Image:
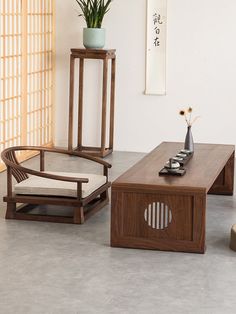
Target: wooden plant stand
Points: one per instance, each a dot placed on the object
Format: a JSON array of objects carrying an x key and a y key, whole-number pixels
[{"x": 99, "y": 54}]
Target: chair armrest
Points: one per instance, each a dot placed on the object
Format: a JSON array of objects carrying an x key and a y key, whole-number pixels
[
  {"x": 48, "y": 175},
  {"x": 62, "y": 151},
  {"x": 18, "y": 171}
]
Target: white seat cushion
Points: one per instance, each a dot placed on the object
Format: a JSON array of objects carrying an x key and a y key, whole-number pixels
[{"x": 42, "y": 186}]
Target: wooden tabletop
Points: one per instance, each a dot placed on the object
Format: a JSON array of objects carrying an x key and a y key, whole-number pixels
[
  {"x": 93, "y": 53},
  {"x": 202, "y": 170}
]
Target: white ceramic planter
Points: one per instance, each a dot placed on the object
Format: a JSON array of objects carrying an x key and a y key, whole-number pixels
[{"x": 94, "y": 38}]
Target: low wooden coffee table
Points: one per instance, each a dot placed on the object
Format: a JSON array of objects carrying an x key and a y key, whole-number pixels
[{"x": 149, "y": 211}]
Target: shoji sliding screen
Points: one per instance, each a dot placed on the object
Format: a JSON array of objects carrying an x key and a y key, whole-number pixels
[{"x": 26, "y": 90}]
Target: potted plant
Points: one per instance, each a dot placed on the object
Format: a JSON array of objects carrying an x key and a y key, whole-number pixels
[{"x": 93, "y": 11}]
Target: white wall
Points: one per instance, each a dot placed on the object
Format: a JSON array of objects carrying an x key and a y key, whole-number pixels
[{"x": 201, "y": 70}]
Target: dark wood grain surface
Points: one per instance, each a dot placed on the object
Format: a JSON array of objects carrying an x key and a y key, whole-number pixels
[
  {"x": 93, "y": 53},
  {"x": 139, "y": 196},
  {"x": 202, "y": 170}
]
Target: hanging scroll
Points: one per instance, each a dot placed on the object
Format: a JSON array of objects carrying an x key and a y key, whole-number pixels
[{"x": 156, "y": 47}]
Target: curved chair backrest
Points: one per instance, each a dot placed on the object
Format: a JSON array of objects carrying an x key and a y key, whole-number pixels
[{"x": 9, "y": 155}]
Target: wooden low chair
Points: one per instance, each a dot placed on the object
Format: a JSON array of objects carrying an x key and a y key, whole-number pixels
[{"x": 86, "y": 193}]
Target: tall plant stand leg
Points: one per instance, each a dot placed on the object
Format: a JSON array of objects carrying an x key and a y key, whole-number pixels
[{"x": 106, "y": 128}]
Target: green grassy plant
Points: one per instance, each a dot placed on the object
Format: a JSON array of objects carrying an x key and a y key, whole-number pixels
[{"x": 93, "y": 11}]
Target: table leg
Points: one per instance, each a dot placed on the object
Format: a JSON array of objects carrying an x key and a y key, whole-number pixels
[
  {"x": 112, "y": 103},
  {"x": 104, "y": 106},
  {"x": 169, "y": 222},
  {"x": 224, "y": 184},
  {"x": 80, "y": 110},
  {"x": 71, "y": 104}
]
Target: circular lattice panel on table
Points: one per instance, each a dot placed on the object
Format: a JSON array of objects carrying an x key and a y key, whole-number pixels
[{"x": 158, "y": 215}]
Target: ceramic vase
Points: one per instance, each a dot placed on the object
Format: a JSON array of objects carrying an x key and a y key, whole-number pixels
[{"x": 189, "y": 145}]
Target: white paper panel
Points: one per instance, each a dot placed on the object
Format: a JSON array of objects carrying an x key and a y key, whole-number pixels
[{"x": 156, "y": 47}]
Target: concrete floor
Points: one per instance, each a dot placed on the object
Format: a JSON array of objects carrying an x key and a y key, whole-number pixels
[{"x": 51, "y": 268}]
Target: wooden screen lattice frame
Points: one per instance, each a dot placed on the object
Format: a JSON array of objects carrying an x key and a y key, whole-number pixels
[{"x": 27, "y": 74}]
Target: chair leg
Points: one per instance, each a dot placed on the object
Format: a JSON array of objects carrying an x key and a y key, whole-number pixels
[
  {"x": 11, "y": 211},
  {"x": 79, "y": 215},
  {"x": 104, "y": 195},
  {"x": 94, "y": 207}
]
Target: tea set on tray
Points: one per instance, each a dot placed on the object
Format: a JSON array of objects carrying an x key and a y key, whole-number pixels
[{"x": 174, "y": 166}]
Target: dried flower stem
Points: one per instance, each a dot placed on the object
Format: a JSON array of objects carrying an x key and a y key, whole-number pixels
[
  {"x": 190, "y": 117},
  {"x": 194, "y": 120},
  {"x": 186, "y": 119}
]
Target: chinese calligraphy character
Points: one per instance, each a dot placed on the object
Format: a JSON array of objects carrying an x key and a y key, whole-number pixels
[
  {"x": 156, "y": 42},
  {"x": 157, "y": 30},
  {"x": 157, "y": 19}
]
